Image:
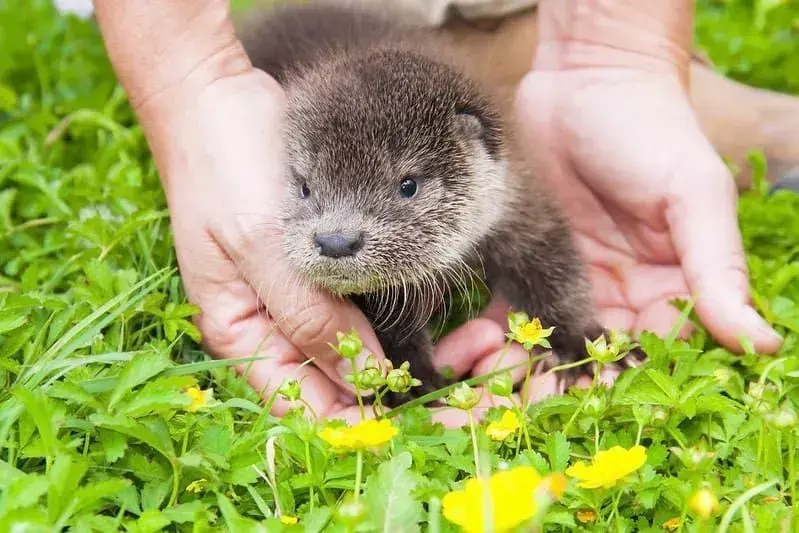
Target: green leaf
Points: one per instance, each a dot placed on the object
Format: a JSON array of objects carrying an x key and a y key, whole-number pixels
[
  {"x": 136, "y": 372},
  {"x": 664, "y": 382},
  {"x": 558, "y": 448},
  {"x": 388, "y": 496},
  {"x": 23, "y": 491}
]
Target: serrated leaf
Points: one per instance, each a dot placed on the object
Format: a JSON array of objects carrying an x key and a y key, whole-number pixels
[
  {"x": 24, "y": 491},
  {"x": 558, "y": 448},
  {"x": 663, "y": 382},
  {"x": 388, "y": 497},
  {"x": 137, "y": 371}
]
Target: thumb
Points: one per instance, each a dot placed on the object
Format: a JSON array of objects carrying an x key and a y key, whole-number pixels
[
  {"x": 309, "y": 318},
  {"x": 702, "y": 217}
]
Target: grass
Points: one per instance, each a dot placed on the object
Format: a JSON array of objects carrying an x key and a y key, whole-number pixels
[{"x": 97, "y": 352}]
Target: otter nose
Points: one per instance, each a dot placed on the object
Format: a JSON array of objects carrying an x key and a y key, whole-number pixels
[{"x": 338, "y": 244}]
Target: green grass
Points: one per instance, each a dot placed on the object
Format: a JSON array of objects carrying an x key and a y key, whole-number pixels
[{"x": 96, "y": 349}]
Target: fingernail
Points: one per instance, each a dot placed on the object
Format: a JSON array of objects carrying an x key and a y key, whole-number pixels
[{"x": 762, "y": 327}]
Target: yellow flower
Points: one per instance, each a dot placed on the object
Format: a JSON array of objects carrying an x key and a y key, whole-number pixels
[
  {"x": 556, "y": 485},
  {"x": 199, "y": 398},
  {"x": 586, "y": 516},
  {"x": 514, "y": 496},
  {"x": 528, "y": 332},
  {"x": 672, "y": 523},
  {"x": 505, "y": 427},
  {"x": 196, "y": 486},
  {"x": 289, "y": 520},
  {"x": 608, "y": 467},
  {"x": 367, "y": 434},
  {"x": 703, "y": 503}
]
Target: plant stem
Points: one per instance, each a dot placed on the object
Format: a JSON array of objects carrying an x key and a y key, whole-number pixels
[
  {"x": 792, "y": 471},
  {"x": 522, "y": 419},
  {"x": 760, "y": 440},
  {"x": 596, "y": 436},
  {"x": 310, "y": 472},
  {"x": 477, "y": 470},
  {"x": 357, "y": 389},
  {"x": 306, "y": 404},
  {"x": 615, "y": 512},
  {"x": 358, "y": 475}
]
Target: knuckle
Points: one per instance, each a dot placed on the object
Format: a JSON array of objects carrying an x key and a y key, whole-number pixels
[{"x": 312, "y": 326}]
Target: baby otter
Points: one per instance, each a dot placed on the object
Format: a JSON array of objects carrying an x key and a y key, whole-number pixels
[{"x": 406, "y": 180}]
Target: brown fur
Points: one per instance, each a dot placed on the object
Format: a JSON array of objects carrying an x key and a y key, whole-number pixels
[{"x": 371, "y": 103}]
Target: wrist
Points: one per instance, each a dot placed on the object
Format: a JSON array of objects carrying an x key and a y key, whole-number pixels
[
  {"x": 652, "y": 35},
  {"x": 164, "y": 52}
]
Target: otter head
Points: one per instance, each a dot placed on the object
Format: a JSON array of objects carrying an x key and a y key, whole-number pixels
[{"x": 396, "y": 168}]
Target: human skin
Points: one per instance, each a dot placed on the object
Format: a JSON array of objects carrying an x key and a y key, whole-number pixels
[{"x": 211, "y": 121}]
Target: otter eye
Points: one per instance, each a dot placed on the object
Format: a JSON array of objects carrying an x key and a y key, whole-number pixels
[
  {"x": 408, "y": 188},
  {"x": 304, "y": 190}
]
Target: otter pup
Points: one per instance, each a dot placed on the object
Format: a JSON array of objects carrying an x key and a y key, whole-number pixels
[{"x": 405, "y": 180}]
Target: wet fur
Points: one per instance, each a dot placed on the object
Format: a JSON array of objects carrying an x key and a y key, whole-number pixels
[{"x": 370, "y": 102}]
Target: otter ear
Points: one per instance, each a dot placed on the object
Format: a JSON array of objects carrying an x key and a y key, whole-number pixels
[{"x": 468, "y": 125}]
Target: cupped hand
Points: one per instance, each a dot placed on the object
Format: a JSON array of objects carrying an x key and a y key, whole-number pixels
[
  {"x": 220, "y": 159},
  {"x": 653, "y": 206}
]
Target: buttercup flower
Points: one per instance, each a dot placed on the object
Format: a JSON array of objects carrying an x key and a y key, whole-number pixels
[
  {"x": 672, "y": 523},
  {"x": 527, "y": 332},
  {"x": 511, "y": 496},
  {"x": 289, "y": 520},
  {"x": 703, "y": 503},
  {"x": 367, "y": 434},
  {"x": 199, "y": 398},
  {"x": 608, "y": 467},
  {"x": 515, "y": 496},
  {"x": 556, "y": 485},
  {"x": 586, "y": 516},
  {"x": 505, "y": 427}
]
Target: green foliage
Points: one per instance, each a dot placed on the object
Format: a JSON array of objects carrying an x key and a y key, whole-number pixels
[{"x": 97, "y": 351}]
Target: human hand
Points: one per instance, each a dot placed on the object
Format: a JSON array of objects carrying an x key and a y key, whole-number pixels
[
  {"x": 652, "y": 204},
  {"x": 224, "y": 185}
]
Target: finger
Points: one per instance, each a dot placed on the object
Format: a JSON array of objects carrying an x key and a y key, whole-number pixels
[
  {"x": 497, "y": 311},
  {"x": 659, "y": 318},
  {"x": 513, "y": 358},
  {"x": 251, "y": 334},
  {"x": 461, "y": 349},
  {"x": 706, "y": 236}
]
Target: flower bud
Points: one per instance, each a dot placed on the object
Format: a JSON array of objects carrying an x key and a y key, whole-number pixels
[
  {"x": 351, "y": 512},
  {"x": 400, "y": 380},
  {"x": 703, "y": 503},
  {"x": 783, "y": 419},
  {"x": 371, "y": 378},
  {"x": 595, "y": 406},
  {"x": 660, "y": 417},
  {"x": 600, "y": 351},
  {"x": 349, "y": 345},
  {"x": 463, "y": 397},
  {"x": 501, "y": 385},
  {"x": 290, "y": 390},
  {"x": 756, "y": 390},
  {"x": 722, "y": 375}
]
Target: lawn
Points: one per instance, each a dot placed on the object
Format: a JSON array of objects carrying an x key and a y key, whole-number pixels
[{"x": 112, "y": 418}]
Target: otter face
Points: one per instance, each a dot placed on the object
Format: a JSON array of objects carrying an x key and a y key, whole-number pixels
[{"x": 396, "y": 171}]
